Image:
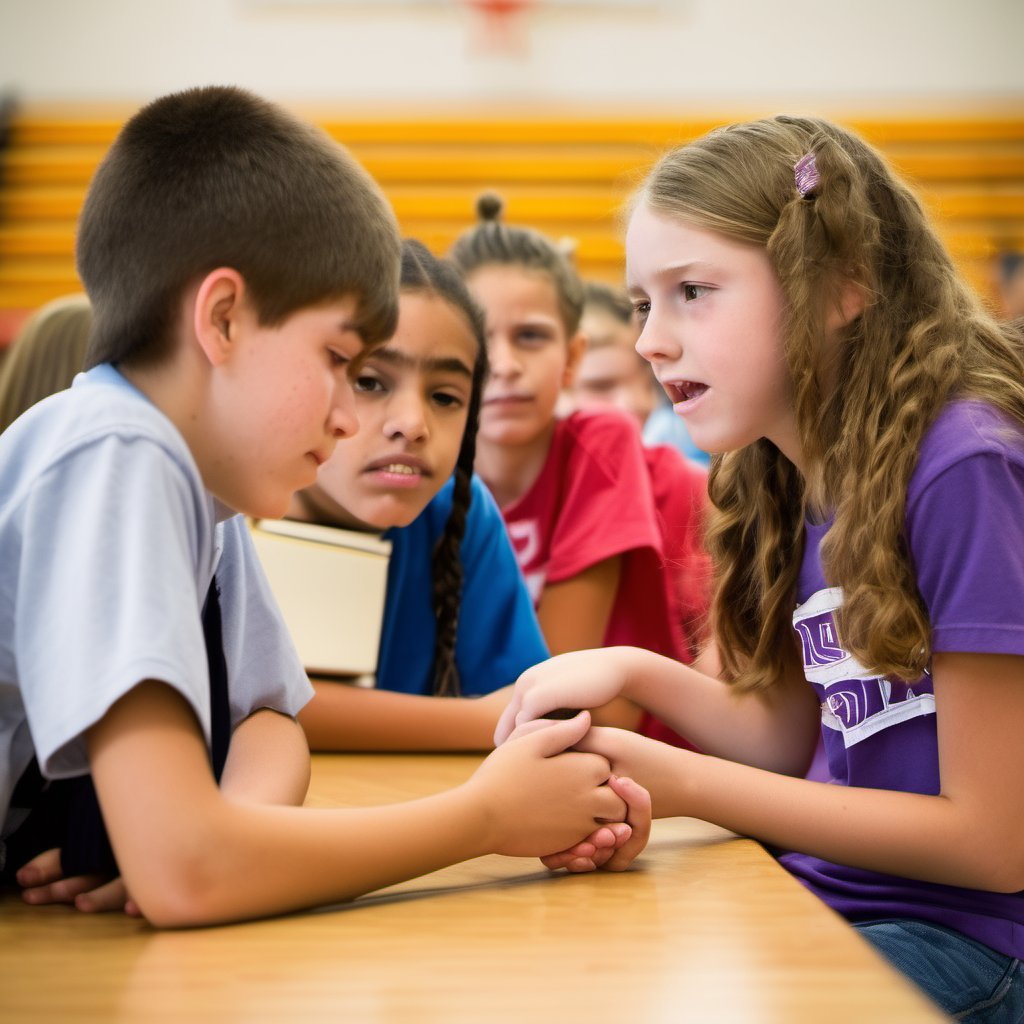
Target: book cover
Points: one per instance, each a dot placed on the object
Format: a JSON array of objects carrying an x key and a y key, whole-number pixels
[{"x": 330, "y": 584}]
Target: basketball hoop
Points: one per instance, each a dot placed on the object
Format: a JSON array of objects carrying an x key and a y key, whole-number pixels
[{"x": 500, "y": 24}]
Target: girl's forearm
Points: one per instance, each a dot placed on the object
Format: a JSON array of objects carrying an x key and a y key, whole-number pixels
[
  {"x": 775, "y": 731},
  {"x": 930, "y": 838},
  {"x": 343, "y": 717},
  {"x": 268, "y": 760}
]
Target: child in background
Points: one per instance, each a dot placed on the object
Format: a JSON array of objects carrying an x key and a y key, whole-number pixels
[
  {"x": 1010, "y": 283},
  {"x": 869, "y": 546},
  {"x": 45, "y": 355},
  {"x": 612, "y": 373},
  {"x": 576, "y": 493},
  {"x": 237, "y": 262},
  {"x": 458, "y": 620}
]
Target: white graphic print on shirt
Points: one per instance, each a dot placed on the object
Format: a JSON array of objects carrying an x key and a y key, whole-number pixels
[
  {"x": 854, "y": 702},
  {"x": 525, "y": 537}
]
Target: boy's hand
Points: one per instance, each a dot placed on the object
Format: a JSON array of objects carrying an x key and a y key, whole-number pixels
[
  {"x": 42, "y": 882},
  {"x": 579, "y": 679},
  {"x": 640, "y": 760},
  {"x": 612, "y": 847},
  {"x": 537, "y": 796}
]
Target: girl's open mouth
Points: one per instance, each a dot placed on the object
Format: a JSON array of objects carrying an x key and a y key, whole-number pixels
[
  {"x": 684, "y": 390},
  {"x": 398, "y": 470}
]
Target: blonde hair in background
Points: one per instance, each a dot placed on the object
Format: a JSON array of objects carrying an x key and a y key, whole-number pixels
[
  {"x": 603, "y": 298},
  {"x": 44, "y": 356},
  {"x": 862, "y": 408}
]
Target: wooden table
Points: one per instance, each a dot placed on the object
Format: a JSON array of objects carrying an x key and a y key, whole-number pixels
[{"x": 705, "y": 927}]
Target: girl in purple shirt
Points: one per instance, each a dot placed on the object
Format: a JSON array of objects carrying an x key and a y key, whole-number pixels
[{"x": 868, "y": 537}]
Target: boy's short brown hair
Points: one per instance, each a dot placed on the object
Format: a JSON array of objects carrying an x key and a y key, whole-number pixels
[{"x": 217, "y": 176}]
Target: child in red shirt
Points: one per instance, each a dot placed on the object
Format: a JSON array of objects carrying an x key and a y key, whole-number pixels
[{"x": 606, "y": 532}]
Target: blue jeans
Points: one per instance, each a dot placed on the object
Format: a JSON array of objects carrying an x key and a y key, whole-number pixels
[{"x": 969, "y": 980}]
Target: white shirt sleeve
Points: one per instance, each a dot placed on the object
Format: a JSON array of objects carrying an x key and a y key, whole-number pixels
[
  {"x": 264, "y": 669},
  {"x": 116, "y": 556}
]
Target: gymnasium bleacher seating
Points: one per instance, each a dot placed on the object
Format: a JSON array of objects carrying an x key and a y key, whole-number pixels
[{"x": 567, "y": 175}]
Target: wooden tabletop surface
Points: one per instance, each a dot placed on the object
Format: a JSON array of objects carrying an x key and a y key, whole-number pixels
[{"x": 704, "y": 927}]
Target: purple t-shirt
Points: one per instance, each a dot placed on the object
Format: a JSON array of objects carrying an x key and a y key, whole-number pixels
[{"x": 965, "y": 528}]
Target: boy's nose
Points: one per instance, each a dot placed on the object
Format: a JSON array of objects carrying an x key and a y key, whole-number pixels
[
  {"x": 342, "y": 421},
  {"x": 502, "y": 358}
]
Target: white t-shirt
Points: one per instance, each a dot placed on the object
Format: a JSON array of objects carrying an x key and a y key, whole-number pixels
[{"x": 108, "y": 543}]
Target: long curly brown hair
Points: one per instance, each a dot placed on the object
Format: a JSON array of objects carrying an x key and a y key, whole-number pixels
[{"x": 862, "y": 407}]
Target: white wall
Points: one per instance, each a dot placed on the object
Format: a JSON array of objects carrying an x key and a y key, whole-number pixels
[{"x": 696, "y": 54}]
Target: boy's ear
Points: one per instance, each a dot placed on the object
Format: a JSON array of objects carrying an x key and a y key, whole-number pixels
[
  {"x": 577, "y": 346},
  {"x": 217, "y": 309}
]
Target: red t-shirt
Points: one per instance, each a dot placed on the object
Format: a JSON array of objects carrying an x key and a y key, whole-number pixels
[
  {"x": 602, "y": 494},
  {"x": 680, "y": 500}
]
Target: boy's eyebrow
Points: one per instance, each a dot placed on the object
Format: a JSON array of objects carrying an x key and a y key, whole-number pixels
[
  {"x": 604, "y": 339},
  {"x": 435, "y": 364},
  {"x": 539, "y": 320}
]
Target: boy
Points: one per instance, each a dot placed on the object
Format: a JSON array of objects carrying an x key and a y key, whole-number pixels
[{"x": 237, "y": 261}]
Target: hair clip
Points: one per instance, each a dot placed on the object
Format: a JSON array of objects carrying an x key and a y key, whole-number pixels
[{"x": 806, "y": 174}]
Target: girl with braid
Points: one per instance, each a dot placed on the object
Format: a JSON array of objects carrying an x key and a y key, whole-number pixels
[
  {"x": 868, "y": 418},
  {"x": 458, "y": 621}
]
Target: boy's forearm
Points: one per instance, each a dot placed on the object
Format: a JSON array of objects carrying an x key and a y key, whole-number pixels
[
  {"x": 190, "y": 857},
  {"x": 273, "y": 860},
  {"x": 377, "y": 846},
  {"x": 343, "y": 717},
  {"x": 268, "y": 760}
]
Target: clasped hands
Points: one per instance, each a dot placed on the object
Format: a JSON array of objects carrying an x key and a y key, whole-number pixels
[{"x": 614, "y": 845}]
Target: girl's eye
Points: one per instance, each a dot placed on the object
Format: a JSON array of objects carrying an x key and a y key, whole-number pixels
[
  {"x": 641, "y": 310},
  {"x": 531, "y": 336},
  {"x": 694, "y": 291},
  {"x": 338, "y": 358},
  {"x": 447, "y": 401},
  {"x": 365, "y": 385}
]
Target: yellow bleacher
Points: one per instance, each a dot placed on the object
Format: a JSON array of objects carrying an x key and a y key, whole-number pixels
[{"x": 564, "y": 174}]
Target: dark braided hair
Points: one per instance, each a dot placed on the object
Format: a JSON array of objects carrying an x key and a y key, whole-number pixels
[{"x": 423, "y": 272}]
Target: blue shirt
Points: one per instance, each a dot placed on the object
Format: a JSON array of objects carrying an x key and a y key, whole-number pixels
[{"x": 498, "y": 636}]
